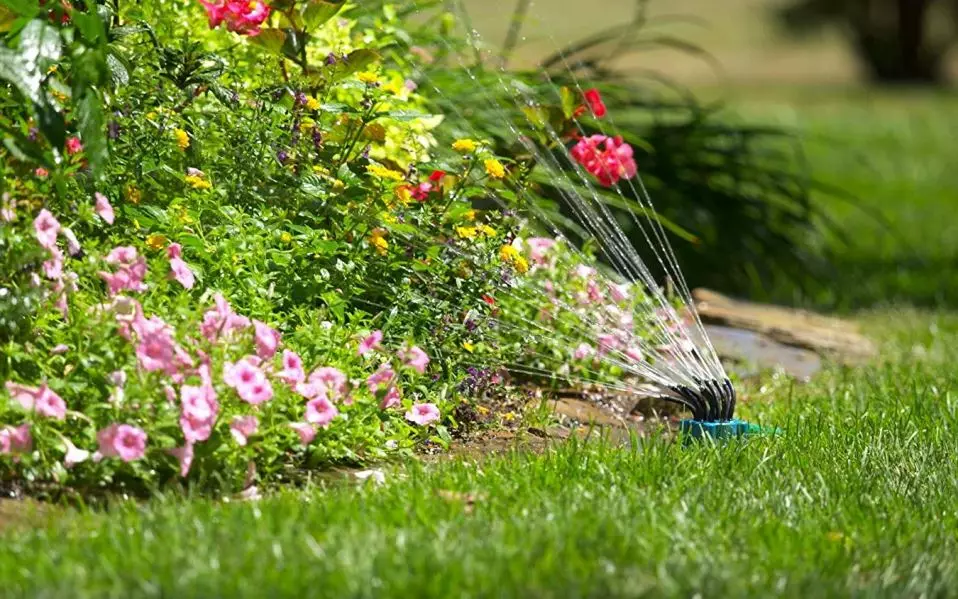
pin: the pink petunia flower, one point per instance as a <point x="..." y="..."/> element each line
<point x="124" y="441"/>
<point x="583" y="351"/>
<point x="22" y="394"/>
<point x="73" y="455"/>
<point x="539" y="248"/>
<point x="370" y="342"/>
<point x="332" y="379"/>
<point x="305" y="431"/>
<point x="607" y="342"/>
<point x="156" y="348"/>
<point x="130" y="272"/>
<point x="16" y="439"/>
<point x="382" y="377"/>
<point x="221" y="320"/>
<point x="249" y="381"/>
<point x="423" y="414"/>
<point x="73" y="245"/>
<point x="415" y="358"/>
<point x="292" y="371"/>
<point x="619" y="293"/>
<point x="608" y="159"/>
<point x="184" y="456"/>
<point x="103" y="208"/>
<point x="320" y="411"/>
<point x="267" y="340"/>
<point x="198" y="412"/>
<point x="46" y="228"/>
<point x="53" y="268"/>
<point x="50" y="404"/>
<point x="391" y="399"/>
<point x="634" y="353"/>
<point x="243" y="427"/>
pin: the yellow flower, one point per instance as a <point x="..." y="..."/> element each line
<point x="132" y="194"/>
<point x="470" y="215"/>
<point x="155" y="241"/>
<point x="466" y="232"/>
<point x="378" y="242"/>
<point x="403" y="194"/>
<point x="185" y="217"/>
<point x="511" y="255"/>
<point x="312" y="103"/>
<point x="368" y="77"/>
<point x="468" y="346"/>
<point x="53" y="69"/>
<point x="383" y="172"/>
<point x="464" y="146"/>
<point x="388" y="218"/>
<point x="393" y="87"/>
<point x="494" y="168"/>
<point x="182" y="138"/>
<point x="136" y="224"/>
<point x="509" y="416"/>
<point x="198" y="182"/>
<point x="285" y="237"/>
<point x="487" y="230"/>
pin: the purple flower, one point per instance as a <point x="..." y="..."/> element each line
<point x="317" y="138"/>
<point x="113" y="129"/>
<point x="282" y="156"/>
<point x="301" y="98"/>
<point x="330" y="59"/>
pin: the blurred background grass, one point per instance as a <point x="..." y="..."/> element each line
<point x="889" y="147"/>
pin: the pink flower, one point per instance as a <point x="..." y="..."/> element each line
<point x="381" y="377"/>
<point x="423" y="414"/>
<point x="16" y="439"/>
<point x="182" y="273"/>
<point x="249" y="381"/>
<point x="243" y="427"/>
<point x="103" y="208"/>
<point x="74" y="146"/>
<point x="267" y="340"/>
<point x="53" y="268"/>
<point x="8" y="209"/>
<point x="221" y="320"/>
<point x="46" y="228"/>
<point x="184" y="456"/>
<point x="156" y="349"/>
<point x="320" y="411"/>
<point x="73" y="245"/>
<point x="50" y="404"/>
<point x="332" y="379"/>
<point x="241" y="16"/>
<point x="74" y="455"/>
<point x="607" y="342"/>
<point x="608" y="159"/>
<point x="292" y="371"/>
<point x="539" y="247"/>
<point x="370" y="343"/>
<point x="42" y="400"/>
<point x="59" y="349"/>
<point x="124" y="441"/>
<point x="131" y="271"/>
<point x="634" y="353"/>
<point x="41" y="172"/>
<point x="415" y="358"/>
<point x="619" y="293"/>
<point x="311" y="390"/>
<point x="594" y="100"/>
<point x="22" y="394"/>
<point x="305" y="431"/>
<point x="198" y="412"/>
<point x="390" y="399"/>
<point x="583" y="351"/>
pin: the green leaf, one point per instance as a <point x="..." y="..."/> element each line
<point x="404" y="115"/>
<point x="23" y="8"/>
<point x="90" y="26"/>
<point x="568" y="102"/>
<point x="271" y="39"/>
<point x="318" y="12"/>
<point x="39" y="45"/>
<point x="51" y="124"/>
<point x="356" y="61"/>
<point x="119" y="72"/>
<point x="92" y="127"/>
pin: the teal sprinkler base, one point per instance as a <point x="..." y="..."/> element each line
<point x="720" y="430"/>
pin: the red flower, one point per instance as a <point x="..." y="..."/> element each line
<point x="608" y="159"/>
<point x="437" y="176"/>
<point x="489" y="300"/>
<point x="594" y="99"/>
<point x="421" y="191"/>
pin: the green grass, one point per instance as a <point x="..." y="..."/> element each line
<point x="856" y="498"/>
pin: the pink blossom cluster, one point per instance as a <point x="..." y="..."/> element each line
<point x="130" y="270"/>
<point x="241" y="16"/>
<point x="47" y="229"/>
<point x="608" y="159"/>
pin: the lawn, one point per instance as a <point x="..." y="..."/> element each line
<point x="855" y="498"/>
